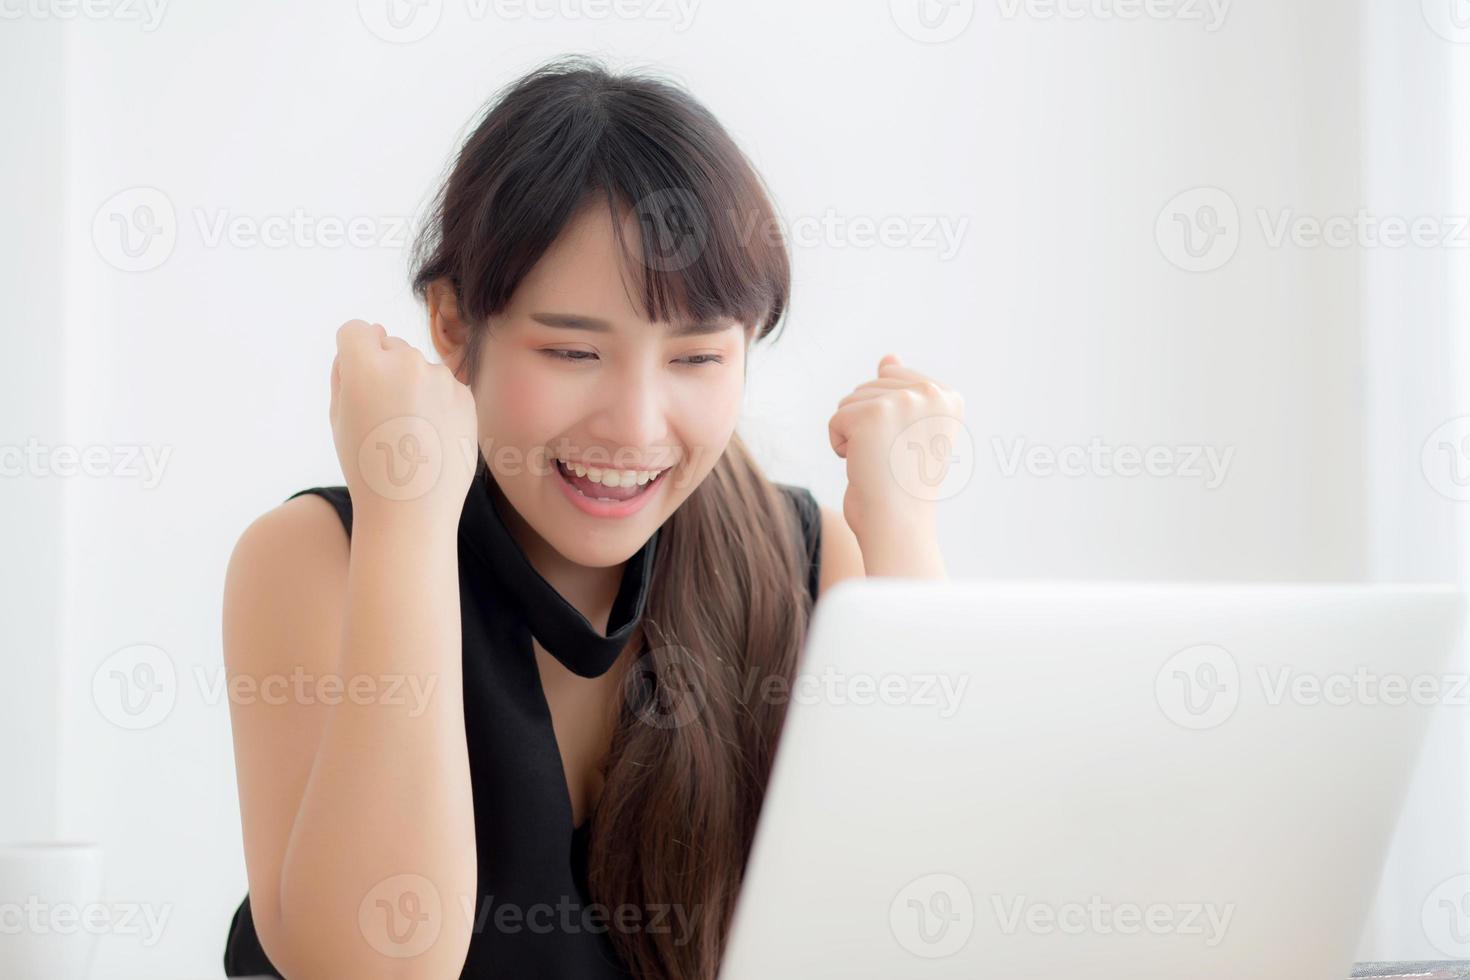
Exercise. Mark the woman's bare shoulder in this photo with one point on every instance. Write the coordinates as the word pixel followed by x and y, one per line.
pixel 288 572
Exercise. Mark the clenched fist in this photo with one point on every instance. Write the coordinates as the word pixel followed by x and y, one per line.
pixel 405 429
pixel 890 487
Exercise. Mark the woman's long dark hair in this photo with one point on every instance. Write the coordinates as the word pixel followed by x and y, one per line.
pixel 728 606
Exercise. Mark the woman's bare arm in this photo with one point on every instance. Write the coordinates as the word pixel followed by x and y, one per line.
pixel 841 558
pixel 347 711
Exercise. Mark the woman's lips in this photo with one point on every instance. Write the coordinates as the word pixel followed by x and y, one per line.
pixel 600 500
pixel 601 490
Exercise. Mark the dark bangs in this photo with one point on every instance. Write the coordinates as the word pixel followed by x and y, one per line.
pixel 571 135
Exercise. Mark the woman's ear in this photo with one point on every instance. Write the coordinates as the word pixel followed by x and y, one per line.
pixel 447 330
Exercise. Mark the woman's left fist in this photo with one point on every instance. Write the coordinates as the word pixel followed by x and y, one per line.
pixel 893 431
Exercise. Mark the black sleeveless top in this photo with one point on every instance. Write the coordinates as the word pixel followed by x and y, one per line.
pixel 523 813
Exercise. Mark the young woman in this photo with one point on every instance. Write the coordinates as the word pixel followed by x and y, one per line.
pixel 530 728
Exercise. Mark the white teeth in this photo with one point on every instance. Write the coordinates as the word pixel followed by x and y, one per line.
pixel 611 477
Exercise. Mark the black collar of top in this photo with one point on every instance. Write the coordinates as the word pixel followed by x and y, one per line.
pixel 557 624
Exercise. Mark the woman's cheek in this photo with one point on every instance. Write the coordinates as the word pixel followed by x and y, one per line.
pixel 707 417
pixel 525 409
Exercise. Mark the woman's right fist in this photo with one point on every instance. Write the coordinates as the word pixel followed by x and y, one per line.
pixel 405 429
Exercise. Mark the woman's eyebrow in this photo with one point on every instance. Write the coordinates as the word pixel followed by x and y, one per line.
pixel 576 321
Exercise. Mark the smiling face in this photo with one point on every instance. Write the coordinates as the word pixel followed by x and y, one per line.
pixel 573 370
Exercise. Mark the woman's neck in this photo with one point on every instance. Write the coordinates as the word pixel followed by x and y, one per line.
pixel 591 591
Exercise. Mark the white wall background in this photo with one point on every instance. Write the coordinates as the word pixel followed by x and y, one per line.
pixel 1058 142
pixel 1417 394
pixel 32 404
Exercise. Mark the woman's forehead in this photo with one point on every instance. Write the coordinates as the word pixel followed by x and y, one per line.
pixel 587 272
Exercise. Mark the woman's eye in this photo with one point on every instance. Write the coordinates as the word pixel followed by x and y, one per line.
pixel 587 355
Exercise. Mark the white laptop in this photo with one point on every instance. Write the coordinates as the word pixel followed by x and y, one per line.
pixel 1101 781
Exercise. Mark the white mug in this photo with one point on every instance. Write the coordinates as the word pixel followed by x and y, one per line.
pixel 46 891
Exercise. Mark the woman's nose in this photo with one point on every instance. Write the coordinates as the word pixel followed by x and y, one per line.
pixel 632 414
